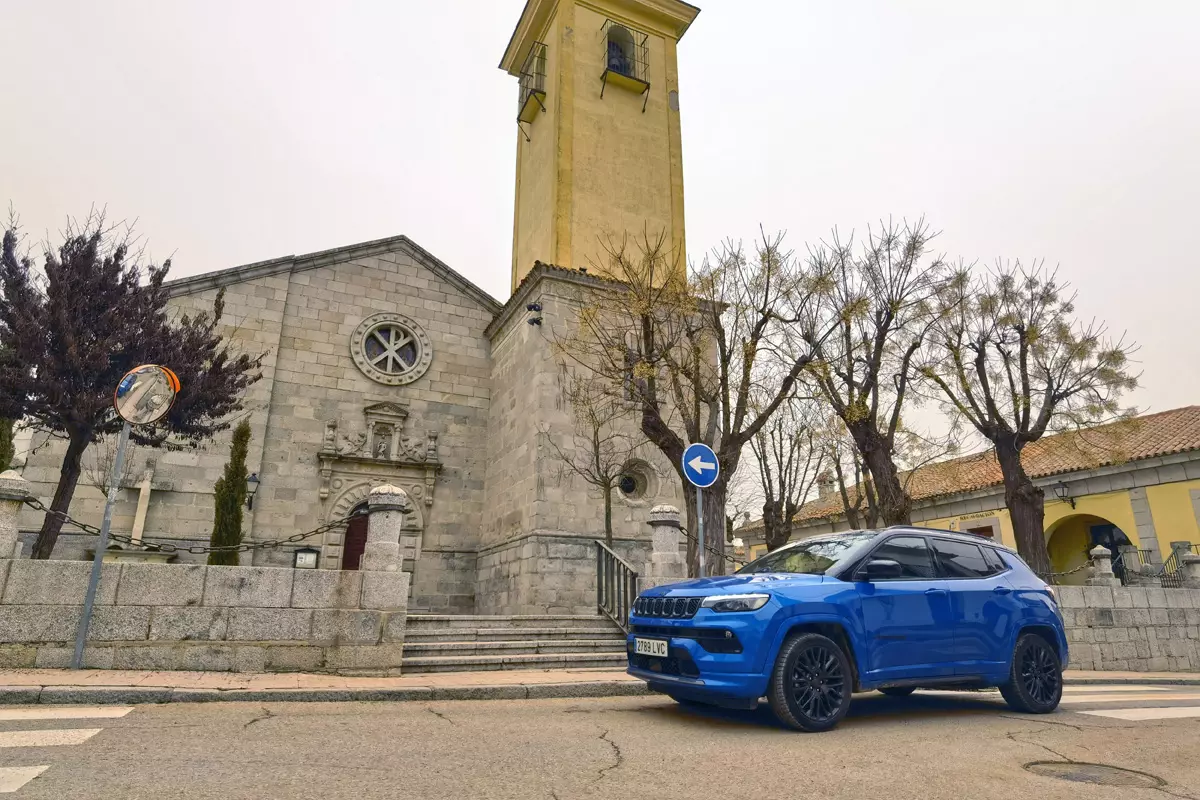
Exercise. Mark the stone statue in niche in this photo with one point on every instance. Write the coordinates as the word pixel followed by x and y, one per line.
pixel 383 442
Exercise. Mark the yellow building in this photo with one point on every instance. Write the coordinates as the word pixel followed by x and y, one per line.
pixel 1132 483
pixel 598 147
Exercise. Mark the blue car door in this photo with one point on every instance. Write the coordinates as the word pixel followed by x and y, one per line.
pixel 983 604
pixel 907 622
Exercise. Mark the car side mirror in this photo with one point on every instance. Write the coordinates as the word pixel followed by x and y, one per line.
pixel 882 569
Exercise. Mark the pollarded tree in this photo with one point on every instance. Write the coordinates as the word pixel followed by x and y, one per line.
pixel 229 498
pixel 1012 361
pixel 883 303
pixel 68 334
pixel 693 354
pixel 788 455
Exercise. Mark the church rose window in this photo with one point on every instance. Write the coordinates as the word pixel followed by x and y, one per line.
pixel 391 349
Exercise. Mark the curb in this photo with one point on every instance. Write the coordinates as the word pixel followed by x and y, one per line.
pixel 1182 680
pixel 121 695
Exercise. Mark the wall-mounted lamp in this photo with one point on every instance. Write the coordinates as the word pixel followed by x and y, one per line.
pixel 1063 493
pixel 251 490
pixel 534 308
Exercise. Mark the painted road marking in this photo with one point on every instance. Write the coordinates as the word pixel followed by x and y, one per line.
pixel 13 778
pixel 1128 698
pixel 48 738
pixel 1143 714
pixel 63 712
pixel 1091 689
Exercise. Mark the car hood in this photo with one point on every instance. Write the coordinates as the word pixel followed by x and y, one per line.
pixel 735 584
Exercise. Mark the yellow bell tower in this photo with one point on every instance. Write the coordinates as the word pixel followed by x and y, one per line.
pixel 598 149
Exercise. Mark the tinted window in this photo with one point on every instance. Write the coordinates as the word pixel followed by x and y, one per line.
pixel 961 560
pixel 911 553
pixel 811 557
pixel 993 560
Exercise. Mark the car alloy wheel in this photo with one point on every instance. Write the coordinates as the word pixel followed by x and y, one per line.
pixel 1040 677
pixel 811 684
pixel 818 683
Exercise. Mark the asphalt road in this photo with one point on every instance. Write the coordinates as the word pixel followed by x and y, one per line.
pixel 928 746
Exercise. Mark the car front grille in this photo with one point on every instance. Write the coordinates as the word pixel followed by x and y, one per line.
pixel 667 607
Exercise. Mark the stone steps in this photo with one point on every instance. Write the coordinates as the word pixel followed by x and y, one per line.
pixel 452 643
pixel 442 663
pixel 420 649
pixel 420 635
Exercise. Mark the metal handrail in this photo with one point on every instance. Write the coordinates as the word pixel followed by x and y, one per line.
pixel 616 586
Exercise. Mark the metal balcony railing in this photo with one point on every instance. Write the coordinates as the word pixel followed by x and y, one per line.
pixel 533 84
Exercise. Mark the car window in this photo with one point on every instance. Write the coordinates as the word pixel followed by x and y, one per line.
pixel 961 559
pixel 911 553
pixel 993 559
pixel 811 557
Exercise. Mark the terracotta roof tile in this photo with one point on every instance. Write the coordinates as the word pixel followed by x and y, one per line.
pixel 1151 436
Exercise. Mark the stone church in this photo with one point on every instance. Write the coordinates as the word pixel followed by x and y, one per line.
pixel 384 365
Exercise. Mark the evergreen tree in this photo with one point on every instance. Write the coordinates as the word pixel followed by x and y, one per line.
pixel 231 498
pixel 7 450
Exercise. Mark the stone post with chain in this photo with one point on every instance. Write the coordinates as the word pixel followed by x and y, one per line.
pixel 666 564
pixel 385 584
pixel 1101 572
pixel 13 491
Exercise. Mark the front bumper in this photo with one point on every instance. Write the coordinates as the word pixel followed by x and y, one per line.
pixel 695 667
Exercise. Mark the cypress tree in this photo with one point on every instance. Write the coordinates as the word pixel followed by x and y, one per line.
pixel 7 450
pixel 230 499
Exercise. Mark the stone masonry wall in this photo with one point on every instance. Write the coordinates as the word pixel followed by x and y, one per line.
pixel 197 617
pixel 1134 628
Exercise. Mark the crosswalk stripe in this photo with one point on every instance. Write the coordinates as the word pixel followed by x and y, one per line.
pixel 1137 689
pixel 63 712
pixel 1142 714
pixel 1136 698
pixel 13 778
pixel 47 738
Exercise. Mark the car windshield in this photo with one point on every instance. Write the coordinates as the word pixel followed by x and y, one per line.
pixel 810 557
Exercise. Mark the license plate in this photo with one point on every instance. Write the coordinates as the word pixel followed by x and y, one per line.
pixel 650 647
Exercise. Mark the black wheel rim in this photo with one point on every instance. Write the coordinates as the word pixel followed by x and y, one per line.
pixel 1039 673
pixel 818 683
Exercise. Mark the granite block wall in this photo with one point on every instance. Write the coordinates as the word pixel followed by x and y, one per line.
pixel 1132 628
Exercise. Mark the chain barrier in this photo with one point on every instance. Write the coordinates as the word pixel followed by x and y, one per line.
pixel 738 562
pixel 161 546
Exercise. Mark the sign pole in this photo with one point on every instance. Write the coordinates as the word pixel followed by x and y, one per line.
pixel 700 469
pixel 700 526
pixel 89 600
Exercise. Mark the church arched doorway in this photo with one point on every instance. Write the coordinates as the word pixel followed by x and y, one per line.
pixel 1071 539
pixel 355 541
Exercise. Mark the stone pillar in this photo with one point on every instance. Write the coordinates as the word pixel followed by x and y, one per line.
pixel 13 491
pixel 666 564
pixel 1102 574
pixel 1190 565
pixel 385 585
pixel 1179 550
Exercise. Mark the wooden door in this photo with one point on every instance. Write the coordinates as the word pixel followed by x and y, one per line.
pixel 355 542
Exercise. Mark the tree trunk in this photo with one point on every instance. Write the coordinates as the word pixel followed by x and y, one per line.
pixel 689 500
pixel 895 507
pixel 777 523
pixel 68 479
pixel 608 538
pixel 1026 507
pixel 714 529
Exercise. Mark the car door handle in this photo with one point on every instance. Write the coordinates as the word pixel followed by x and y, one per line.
pixel 935 591
pixel 1002 590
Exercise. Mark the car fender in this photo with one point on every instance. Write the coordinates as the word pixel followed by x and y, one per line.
pixel 791 617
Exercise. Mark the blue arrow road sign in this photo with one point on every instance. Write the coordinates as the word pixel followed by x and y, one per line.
pixel 700 465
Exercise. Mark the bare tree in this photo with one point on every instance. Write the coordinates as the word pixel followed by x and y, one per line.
pixel 883 304
pixel 606 439
pixel 788 454
pixel 1014 363
pixel 98 469
pixel 691 354
pixel 848 475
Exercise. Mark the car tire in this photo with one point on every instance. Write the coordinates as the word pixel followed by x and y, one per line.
pixel 1034 684
pixel 811 684
pixel 897 691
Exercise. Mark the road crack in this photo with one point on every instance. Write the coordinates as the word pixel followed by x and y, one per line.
pixel 618 756
pixel 267 714
pixel 440 715
pixel 1012 737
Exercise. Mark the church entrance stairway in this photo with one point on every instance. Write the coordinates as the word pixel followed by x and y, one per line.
pixel 455 643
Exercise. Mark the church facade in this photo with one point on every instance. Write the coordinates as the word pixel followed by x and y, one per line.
pixel 384 365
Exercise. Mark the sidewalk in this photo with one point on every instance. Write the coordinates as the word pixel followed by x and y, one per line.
pixel 26 686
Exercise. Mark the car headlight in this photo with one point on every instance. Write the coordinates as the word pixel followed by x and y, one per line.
pixel 736 602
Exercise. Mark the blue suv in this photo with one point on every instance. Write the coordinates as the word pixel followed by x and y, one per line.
pixel 812 622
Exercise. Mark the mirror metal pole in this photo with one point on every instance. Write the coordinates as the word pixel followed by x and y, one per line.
pixel 89 600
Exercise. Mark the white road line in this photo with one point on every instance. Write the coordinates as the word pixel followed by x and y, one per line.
pixel 1142 714
pixel 1128 698
pixel 49 738
pixel 1093 689
pixel 13 778
pixel 63 712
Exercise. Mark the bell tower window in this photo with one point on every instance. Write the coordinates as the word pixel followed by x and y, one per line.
pixel 626 54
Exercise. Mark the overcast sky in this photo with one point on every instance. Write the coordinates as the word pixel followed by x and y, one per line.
pixel 242 131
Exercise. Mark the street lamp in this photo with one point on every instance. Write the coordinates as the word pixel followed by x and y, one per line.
pixel 1063 493
pixel 251 489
